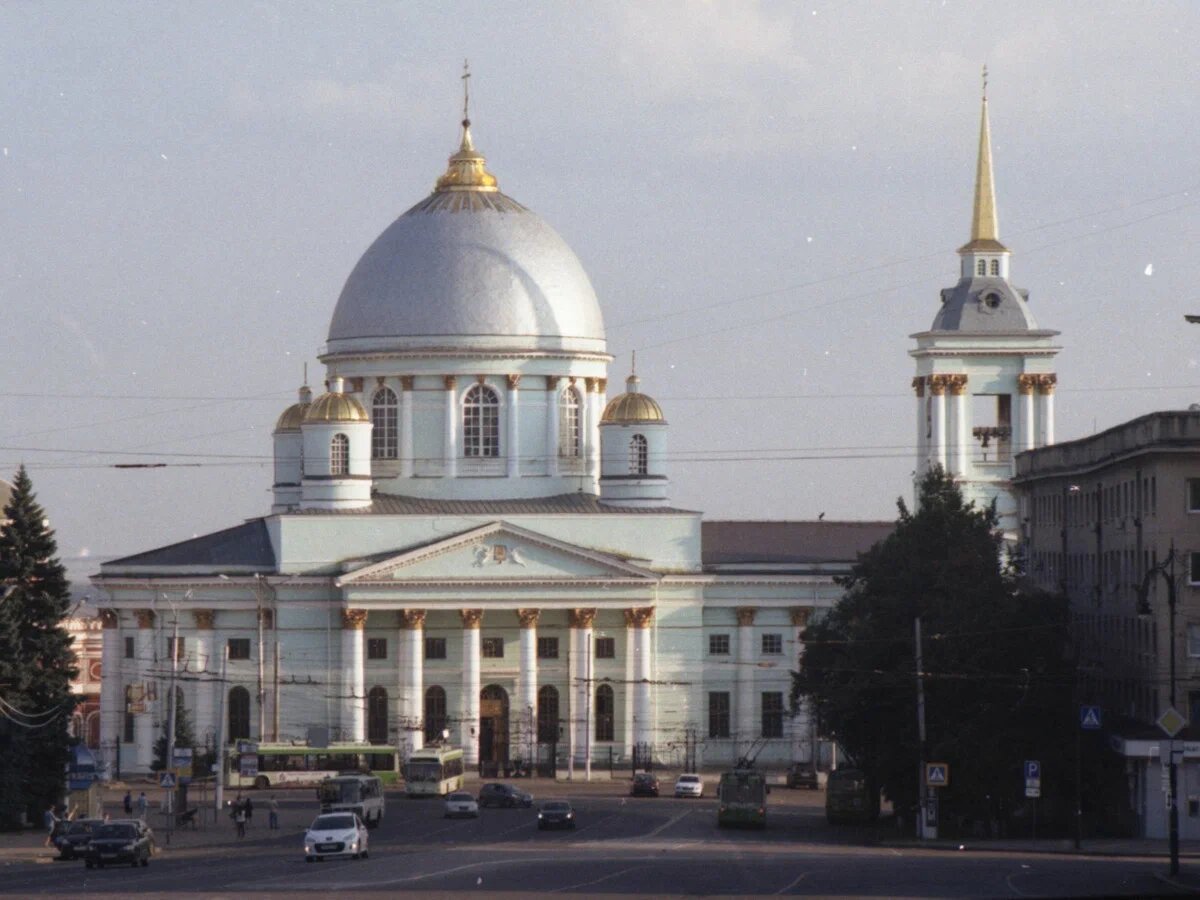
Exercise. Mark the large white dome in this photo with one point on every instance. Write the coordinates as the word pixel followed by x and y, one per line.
pixel 467 268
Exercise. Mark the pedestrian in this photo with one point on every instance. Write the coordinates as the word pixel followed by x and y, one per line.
pixel 142 803
pixel 239 819
pixel 128 803
pixel 272 813
pixel 249 807
pixel 50 821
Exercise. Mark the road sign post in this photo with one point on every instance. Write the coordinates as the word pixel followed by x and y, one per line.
pixel 1090 718
pixel 937 774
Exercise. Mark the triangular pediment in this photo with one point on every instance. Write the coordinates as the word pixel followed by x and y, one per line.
pixel 498 552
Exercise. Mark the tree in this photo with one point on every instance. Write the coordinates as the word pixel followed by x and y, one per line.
pixel 184 737
pixel 36 659
pixel 997 674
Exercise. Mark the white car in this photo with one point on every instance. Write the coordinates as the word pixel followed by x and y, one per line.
pixel 335 834
pixel 689 784
pixel 461 804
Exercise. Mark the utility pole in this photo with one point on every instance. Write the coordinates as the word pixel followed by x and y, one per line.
pixel 168 763
pixel 275 700
pixel 587 722
pixel 262 694
pixel 219 791
pixel 921 791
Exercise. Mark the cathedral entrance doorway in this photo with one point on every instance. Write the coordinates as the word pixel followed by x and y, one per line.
pixel 493 730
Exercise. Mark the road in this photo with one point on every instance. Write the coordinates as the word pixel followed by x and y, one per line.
pixel 622 847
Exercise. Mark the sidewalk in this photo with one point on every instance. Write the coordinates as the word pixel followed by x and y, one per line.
pixel 1188 850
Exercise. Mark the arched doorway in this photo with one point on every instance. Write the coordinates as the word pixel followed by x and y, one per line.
pixel 493 730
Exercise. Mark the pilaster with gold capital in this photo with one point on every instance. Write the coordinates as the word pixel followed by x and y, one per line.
pixel 918 385
pixel 267 617
pixel 581 618
pixel 800 615
pixel 354 619
pixel 471 618
pixel 406 382
pixel 938 385
pixel 109 618
pixel 745 614
pixel 528 617
pixel 639 617
pixel 412 619
pixel 1046 383
pixel 513 381
pixel 205 618
pixel 957 384
pixel 1026 383
pixel 450 382
pixel 145 618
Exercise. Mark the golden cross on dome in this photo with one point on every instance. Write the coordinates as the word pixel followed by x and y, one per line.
pixel 466 80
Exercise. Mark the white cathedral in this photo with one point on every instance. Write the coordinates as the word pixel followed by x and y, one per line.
pixel 470 536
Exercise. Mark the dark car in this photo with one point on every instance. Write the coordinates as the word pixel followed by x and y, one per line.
pixel 644 785
pixel 123 841
pixel 504 795
pixel 556 814
pixel 802 775
pixel 73 839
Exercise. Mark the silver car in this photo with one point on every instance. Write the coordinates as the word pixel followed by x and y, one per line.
pixel 335 834
pixel 689 784
pixel 460 804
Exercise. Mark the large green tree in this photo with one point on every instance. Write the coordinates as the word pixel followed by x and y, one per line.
pixel 36 659
pixel 184 736
pixel 997 671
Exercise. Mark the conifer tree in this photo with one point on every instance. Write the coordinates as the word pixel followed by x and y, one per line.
pixel 36 659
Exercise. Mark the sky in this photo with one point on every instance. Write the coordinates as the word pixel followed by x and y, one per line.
pixel 766 196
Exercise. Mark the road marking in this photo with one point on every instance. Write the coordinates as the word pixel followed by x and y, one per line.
pixel 1012 887
pixel 786 888
pixel 667 824
pixel 583 884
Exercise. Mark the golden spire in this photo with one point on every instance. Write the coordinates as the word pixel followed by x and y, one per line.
pixel 467 169
pixel 984 228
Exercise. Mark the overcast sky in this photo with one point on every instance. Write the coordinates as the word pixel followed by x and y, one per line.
pixel 767 197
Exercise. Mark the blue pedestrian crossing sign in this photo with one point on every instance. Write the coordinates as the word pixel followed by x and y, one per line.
pixel 937 774
pixel 1089 718
pixel 166 779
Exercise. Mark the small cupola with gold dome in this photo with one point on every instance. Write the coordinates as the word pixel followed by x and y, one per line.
pixel 289 453
pixel 336 451
pixel 633 449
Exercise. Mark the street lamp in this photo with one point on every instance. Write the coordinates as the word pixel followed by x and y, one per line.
pixel 1166 569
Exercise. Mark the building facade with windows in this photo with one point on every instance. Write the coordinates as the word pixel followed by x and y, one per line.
pixel 469 535
pixel 1097 515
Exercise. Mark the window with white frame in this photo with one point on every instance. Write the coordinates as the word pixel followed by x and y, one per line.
pixel 384 411
pixel 1193 641
pixel 772 644
pixel 569 443
pixel 995 267
pixel 481 422
pixel 639 455
pixel 339 455
pixel 981 267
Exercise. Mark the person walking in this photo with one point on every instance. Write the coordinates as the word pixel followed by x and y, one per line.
pixel 249 807
pixel 50 821
pixel 128 803
pixel 142 804
pixel 239 820
pixel 272 813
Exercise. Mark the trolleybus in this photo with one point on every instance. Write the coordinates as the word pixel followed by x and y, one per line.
pixel 742 798
pixel 284 765
pixel 434 772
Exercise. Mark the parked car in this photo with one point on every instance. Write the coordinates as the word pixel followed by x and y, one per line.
pixel 460 804
pixel 504 795
pixel 122 841
pixel 644 785
pixel 336 834
pixel 556 814
pixel 689 784
pixel 802 775
pixel 72 841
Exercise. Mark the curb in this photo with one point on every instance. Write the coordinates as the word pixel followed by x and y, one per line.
pixel 1059 851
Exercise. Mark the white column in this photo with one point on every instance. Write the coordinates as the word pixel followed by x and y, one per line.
pixel 581 621
pixel 354 699
pixel 638 620
pixel 918 384
pixel 205 723
pixel 405 449
pixel 112 705
pixel 802 749
pixel 450 443
pixel 551 425
pixel 745 731
pixel 630 653
pixel 1025 385
pixel 527 683
pixel 1046 412
pixel 937 455
pixel 411 696
pixel 513 443
pixel 143 725
pixel 471 620
pixel 962 421
pixel 592 403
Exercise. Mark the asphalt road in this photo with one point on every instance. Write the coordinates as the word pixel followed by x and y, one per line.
pixel 622 847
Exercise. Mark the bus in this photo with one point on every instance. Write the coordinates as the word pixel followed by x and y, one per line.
pixel 851 796
pixel 285 765
pixel 742 798
pixel 434 772
pixel 361 794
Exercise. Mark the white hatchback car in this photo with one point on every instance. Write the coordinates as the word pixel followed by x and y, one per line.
pixel 461 804
pixel 335 834
pixel 689 784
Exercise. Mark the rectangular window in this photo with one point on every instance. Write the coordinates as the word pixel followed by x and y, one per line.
pixel 1193 641
pixel 1193 489
pixel 772 714
pixel 606 648
pixel 376 648
pixel 129 648
pixel 772 644
pixel 1194 568
pixel 239 648
pixel 493 648
pixel 176 649
pixel 718 644
pixel 547 648
pixel 127 737
pixel 718 714
pixel 435 648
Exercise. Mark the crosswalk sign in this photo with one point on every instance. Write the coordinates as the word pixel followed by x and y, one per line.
pixel 937 774
pixel 1089 718
pixel 166 779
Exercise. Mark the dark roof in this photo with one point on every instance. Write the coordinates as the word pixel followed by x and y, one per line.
pixel 729 543
pixel 574 504
pixel 243 546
